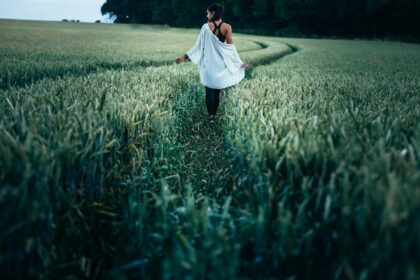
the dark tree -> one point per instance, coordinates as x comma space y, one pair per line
348, 18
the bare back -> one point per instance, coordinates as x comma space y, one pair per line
225, 29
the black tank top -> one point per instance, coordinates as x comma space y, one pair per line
219, 35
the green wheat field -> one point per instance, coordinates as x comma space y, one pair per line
109, 169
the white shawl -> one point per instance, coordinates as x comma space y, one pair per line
219, 63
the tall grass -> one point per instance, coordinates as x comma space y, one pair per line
312, 172
325, 148
68, 149
33, 50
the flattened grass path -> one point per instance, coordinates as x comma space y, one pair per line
206, 155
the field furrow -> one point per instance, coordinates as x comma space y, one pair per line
56, 50
109, 169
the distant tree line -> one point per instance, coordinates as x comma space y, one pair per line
72, 20
343, 18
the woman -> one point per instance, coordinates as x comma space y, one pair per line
219, 62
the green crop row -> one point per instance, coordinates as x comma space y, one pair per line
324, 145
312, 171
78, 153
69, 147
31, 51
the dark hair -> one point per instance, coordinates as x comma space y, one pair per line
218, 9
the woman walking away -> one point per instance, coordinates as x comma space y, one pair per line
219, 62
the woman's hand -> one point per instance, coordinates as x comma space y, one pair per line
245, 65
180, 59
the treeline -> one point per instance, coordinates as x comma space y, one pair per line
344, 18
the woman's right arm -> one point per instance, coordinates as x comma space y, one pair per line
229, 40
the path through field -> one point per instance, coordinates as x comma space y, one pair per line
109, 168
206, 153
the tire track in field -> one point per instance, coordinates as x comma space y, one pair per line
206, 155
93, 68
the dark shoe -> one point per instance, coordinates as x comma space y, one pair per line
212, 119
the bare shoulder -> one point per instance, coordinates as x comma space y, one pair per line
227, 26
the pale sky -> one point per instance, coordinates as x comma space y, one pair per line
83, 10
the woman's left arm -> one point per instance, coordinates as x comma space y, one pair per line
182, 58
195, 53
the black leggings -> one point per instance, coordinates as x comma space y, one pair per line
212, 100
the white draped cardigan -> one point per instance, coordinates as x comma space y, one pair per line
219, 63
